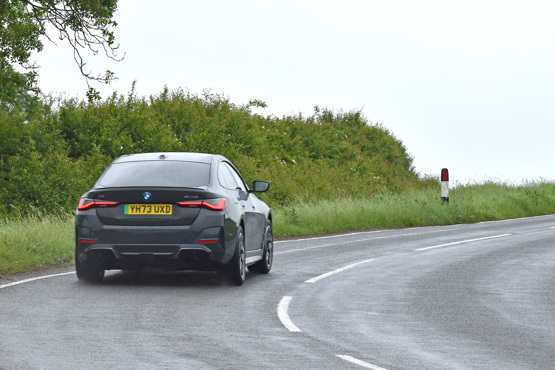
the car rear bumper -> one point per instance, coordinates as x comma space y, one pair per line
172, 257
204, 245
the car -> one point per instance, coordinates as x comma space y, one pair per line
176, 212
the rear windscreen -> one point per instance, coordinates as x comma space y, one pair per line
155, 173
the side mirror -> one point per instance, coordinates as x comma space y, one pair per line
259, 186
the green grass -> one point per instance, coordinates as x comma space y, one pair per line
471, 203
32, 243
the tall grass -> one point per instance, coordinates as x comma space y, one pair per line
32, 242
422, 207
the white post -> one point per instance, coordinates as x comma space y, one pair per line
445, 185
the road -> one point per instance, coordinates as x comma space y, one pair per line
477, 296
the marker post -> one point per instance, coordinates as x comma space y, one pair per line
445, 185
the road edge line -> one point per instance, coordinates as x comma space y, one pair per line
34, 279
463, 241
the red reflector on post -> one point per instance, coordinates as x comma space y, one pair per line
445, 174
445, 185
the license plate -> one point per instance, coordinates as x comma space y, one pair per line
148, 209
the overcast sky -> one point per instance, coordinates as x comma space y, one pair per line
465, 85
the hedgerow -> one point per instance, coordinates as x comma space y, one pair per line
53, 154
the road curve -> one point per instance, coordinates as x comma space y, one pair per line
453, 297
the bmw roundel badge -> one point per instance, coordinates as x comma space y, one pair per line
147, 196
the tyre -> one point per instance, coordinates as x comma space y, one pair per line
88, 273
265, 265
237, 268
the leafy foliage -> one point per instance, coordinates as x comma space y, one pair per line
15, 91
52, 155
83, 23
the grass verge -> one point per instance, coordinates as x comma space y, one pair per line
471, 203
32, 243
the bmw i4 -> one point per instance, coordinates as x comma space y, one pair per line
176, 211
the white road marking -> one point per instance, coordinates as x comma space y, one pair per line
332, 244
323, 276
513, 219
309, 248
283, 307
463, 241
331, 236
359, 362
34, 279
364, 233
345, 242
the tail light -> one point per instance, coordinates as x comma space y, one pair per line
218, 204
85, 204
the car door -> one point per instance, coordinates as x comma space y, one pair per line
237, 193
254, 219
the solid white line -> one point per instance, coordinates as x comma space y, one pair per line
359, 362
463, 241
306, 249
34, 279
347, 242
514, 219
331, 236
364, 233
323, 276
332, 244
284, 316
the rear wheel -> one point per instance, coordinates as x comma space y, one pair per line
265, 265
88, 273
237, 268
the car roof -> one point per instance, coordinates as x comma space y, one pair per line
171, 156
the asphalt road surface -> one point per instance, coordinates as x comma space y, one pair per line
475, 296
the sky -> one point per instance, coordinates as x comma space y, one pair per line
468, 86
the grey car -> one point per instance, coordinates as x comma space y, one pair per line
176, 211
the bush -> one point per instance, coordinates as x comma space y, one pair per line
52, 155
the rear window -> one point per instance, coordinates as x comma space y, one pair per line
155, 173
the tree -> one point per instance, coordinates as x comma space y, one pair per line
14, 92
85, 24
